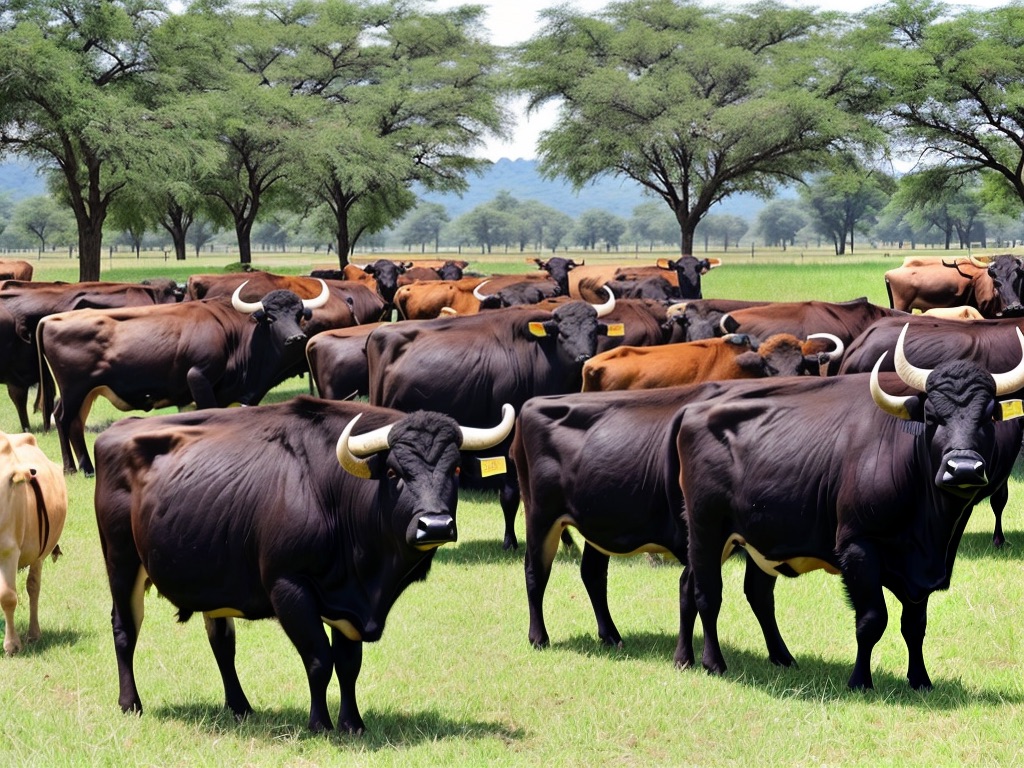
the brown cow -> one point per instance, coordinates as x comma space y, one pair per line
32, 512
15, 269
736, 356
337, 362
992, 284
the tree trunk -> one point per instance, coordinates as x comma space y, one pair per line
90, 243
243, 231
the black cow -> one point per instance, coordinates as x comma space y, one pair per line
841, 474
385, 274
991, 344
463, 365
211, 352
606, 464
699, 319
283, 532
517, 294
24, 304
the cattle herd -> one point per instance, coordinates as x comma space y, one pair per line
617, 401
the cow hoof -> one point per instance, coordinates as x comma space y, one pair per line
540, 644
510, 543
684, 663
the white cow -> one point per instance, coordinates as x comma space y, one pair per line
33, 506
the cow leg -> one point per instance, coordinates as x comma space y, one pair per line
594, 572
32, 585
128, 588
913, 624
759, 588
684, 657
19, 396
348, 660
862, 577
541, 547
201, 388
221, 633
707, 591
9, 599
297, 612
62, 438
510, 497
998, 501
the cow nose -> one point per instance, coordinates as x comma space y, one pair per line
964, 472
298, 338
582, 358
435, 529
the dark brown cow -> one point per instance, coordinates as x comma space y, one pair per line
212, 352
337, 362
310, 512
685, 273
732, 357
23, 305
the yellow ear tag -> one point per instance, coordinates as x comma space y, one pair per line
494, 466
616, 329
1011, 409
537, 329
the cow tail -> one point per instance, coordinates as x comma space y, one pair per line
47, 387
43, 517
888, 289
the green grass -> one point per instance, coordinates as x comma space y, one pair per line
455, 682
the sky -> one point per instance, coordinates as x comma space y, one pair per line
514, 21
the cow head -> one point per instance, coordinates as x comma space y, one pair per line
386, 273
688, 322
416, 460
783, 354
688, 273
957, 404
1007, 275
282, 311
574, 328
558, 268
451, 270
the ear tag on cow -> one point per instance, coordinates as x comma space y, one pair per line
537, 329
493, 466
616, 329
1010, 409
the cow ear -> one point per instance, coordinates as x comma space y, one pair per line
259, 315
542, 330
307, 313
611, 329
750, 361
729, 324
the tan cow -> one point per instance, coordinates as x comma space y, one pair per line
735, 356
15, 269
33, 507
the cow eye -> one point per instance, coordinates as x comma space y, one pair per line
392, 475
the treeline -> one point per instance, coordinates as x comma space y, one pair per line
322, 116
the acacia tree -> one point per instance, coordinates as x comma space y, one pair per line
402, 96
694, 103
846, 200
72, 97
951, 203
949, 85
779, 221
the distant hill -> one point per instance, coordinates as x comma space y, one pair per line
521, 180
18, 178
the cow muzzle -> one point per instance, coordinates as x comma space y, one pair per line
298, 338
1014, 310
962, 470
431, 530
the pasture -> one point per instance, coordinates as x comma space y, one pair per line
455, 682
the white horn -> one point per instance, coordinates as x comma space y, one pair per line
319, 301
1013, 380
912, 375
608, 306
480, 296
245, 307
897, 406
836, 353
351, 448
476, 439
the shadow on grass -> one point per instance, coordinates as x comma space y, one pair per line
978, 545
813, 679
384, 730
48, 640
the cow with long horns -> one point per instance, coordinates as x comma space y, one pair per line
994, 285
871, 476
287, 533
212, 352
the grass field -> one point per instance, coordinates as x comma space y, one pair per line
455, 682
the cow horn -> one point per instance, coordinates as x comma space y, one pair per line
351, 448
897, 406
608, 306
480, 296
721, 323
245, 307
979, 262
319, 301
836, 353
676, 309
912, 375
1013, 380
475, 439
